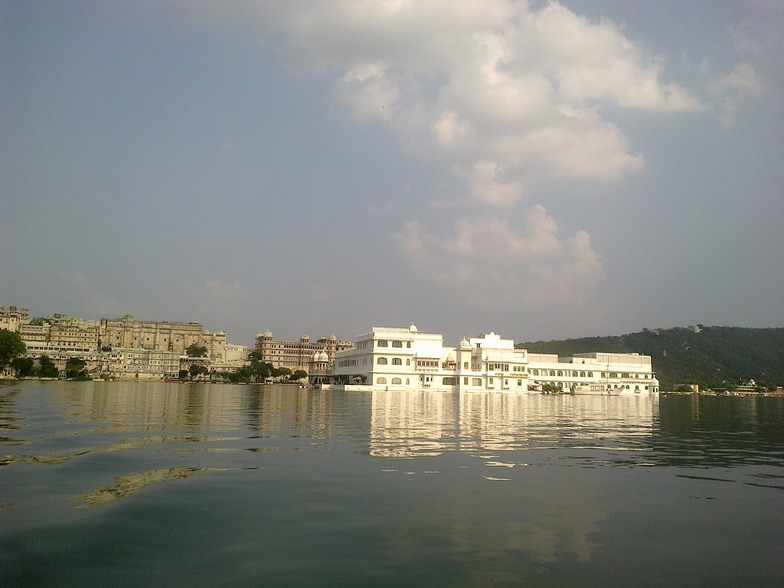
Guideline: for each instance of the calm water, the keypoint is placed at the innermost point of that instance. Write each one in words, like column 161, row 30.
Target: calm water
column 129, row 484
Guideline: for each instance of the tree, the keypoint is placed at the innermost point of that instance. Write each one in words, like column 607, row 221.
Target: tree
column 47, row 368
column 260, row 370
column 74, row 368
column 280, row 372
column 298, row 375
column 24, row 366
column 195, row 350
column 197, row 370
column 11, row 345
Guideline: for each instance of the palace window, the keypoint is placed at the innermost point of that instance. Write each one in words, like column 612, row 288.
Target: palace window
column 397, row 344
column 396, row 381
column 383, row 343
column 381, row 380
column 382, row 361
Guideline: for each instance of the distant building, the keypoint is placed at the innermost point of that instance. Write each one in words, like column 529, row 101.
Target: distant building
column 124, row 363
column 124, row 348
column 611, row 372
column 296, row 355
column 129, row 333
column 405, row 359
column 400, row 358
column 12, row 318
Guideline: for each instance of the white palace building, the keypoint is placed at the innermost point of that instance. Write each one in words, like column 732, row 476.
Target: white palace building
column 390, row 358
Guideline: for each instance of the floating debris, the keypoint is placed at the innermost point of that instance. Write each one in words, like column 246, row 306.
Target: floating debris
column 496, row 479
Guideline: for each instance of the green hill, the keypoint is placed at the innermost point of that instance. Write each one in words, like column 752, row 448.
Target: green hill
column 713, row 357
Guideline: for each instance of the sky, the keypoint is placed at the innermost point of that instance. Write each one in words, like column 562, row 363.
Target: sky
column 543, row 170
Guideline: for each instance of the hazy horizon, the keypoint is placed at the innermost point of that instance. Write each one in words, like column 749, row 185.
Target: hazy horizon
column 543, row 170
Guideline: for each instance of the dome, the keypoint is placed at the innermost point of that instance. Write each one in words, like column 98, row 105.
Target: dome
column 464, row 344
column 412, row 328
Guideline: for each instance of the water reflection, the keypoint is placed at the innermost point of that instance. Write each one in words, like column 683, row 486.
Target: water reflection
column 318, row 488
column 418, row 424
column 412, row 423
column 706, row 431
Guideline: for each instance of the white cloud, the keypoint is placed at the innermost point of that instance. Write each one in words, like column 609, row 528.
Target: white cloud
column 497, row 258
column 476, row 80
column 731, row 89
column 508, row 96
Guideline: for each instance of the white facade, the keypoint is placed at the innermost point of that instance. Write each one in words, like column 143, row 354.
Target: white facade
column 614, row 373
column 391, row 358
column 142, row 364
column 398, row 358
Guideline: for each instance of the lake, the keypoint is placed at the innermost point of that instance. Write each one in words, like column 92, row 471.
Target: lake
column 154, row 484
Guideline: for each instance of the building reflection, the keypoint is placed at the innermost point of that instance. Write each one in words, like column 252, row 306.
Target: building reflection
column 200, row 407
column 276, row 408
column 421, row 423
column 412, row 423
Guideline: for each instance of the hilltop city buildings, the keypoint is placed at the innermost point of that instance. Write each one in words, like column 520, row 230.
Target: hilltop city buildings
column 121, row 348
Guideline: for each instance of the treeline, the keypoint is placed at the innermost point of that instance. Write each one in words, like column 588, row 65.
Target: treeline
column 713, row 357
column 256, row 371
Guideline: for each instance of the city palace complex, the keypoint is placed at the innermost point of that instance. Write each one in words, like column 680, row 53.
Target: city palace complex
column 387, row 358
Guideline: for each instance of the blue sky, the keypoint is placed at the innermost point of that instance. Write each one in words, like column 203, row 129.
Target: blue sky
column 542, row 170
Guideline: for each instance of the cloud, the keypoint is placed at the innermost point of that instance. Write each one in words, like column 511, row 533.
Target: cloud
column 731, row 89
column 479, row 80
column 490, row 254
column 506, row 96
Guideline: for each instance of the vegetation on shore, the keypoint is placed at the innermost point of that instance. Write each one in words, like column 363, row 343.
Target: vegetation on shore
column 712, row 357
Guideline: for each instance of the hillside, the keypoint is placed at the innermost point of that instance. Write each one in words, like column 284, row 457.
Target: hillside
column 710, row 356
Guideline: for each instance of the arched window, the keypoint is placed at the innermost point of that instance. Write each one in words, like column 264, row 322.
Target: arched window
column 397, row 361
column 382, row 361
column 396, row 381
column 397, row 344
column 381, row 381
column 383, row 343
